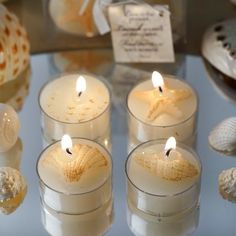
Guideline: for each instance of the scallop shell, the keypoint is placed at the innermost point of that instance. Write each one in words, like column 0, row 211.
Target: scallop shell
column 86, row 158
column 219, row 47
column 14, row 46
column 174, row 167
column 9, row 127
column 13, row 189
column 227, row 184
column 223, row 137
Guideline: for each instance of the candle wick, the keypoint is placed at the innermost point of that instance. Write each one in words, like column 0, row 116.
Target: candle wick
column 80, row 93
column 160, row 89
column 68, row 151
column 168, row 152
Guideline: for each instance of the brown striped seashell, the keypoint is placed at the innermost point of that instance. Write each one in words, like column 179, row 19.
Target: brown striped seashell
column 14, row 46
column 86, row 158
column 173, row 168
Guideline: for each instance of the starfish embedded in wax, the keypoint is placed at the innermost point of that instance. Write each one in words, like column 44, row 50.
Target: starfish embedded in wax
column 163, row 102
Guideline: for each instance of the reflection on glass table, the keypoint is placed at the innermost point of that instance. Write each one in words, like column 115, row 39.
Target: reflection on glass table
column 217, row 216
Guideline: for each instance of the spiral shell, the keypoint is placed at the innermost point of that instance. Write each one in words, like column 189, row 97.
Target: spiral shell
column 13, row 189
column 223, row 137
column 227, row 184
column 9, row 127
column 14, row 46
column 86, row 158
column 174, row 168
column 219, row 47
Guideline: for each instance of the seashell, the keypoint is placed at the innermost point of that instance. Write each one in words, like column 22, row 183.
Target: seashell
column 14, row 46
column 223, row 137
column 13, row 189
column 219, row 47
column 233, row 1
column 68, row 16
column 84, row 158
column 174, row 167
column 9, row 127
column 227, row 184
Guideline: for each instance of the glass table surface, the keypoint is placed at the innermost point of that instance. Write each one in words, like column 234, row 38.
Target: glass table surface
column 217, row 216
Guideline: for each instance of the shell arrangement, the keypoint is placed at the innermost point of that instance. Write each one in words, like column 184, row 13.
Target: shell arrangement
column 173, row 168
column 13, row 189
column 219, row 47
column 86, row 158
column 223, row 137
column 227, row 184
column 9, row 127
column 14, row 46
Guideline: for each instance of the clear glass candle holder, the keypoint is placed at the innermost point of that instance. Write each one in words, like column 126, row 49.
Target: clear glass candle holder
column 95, row 189
column 142, row 130
column 155, row 195
column 76, row 118
column 94, row 223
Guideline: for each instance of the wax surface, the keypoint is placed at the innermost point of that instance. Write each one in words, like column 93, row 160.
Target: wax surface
column 149, row 182
column 89, row 178
column 60, row 100
column 139, row 108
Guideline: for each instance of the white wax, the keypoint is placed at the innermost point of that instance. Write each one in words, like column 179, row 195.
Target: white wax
column 140, row 108
column 84, row 194
column 151, row 183
column 60, row 100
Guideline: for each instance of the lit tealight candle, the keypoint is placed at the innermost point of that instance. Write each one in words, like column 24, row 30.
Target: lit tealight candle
column 75, row 177
column 77, row 105
column 163, row 179
column 161, row 107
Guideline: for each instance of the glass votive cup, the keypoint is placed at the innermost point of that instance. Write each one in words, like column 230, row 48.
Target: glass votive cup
column 144, row 130
column 142, row 224
column 93, row 223
column 73, row 199
column 156, row 195
column 63, row 111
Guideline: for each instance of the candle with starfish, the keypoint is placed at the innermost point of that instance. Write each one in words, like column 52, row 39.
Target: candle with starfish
column 161, row 107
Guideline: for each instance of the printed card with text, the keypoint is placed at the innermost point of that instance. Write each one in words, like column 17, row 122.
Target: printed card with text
column 141, row 33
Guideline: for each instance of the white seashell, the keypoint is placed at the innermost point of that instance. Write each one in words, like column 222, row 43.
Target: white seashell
column 9, row 127
column 223, row 137
column 14, row 46
column 227, row 184
column 219, row 47
column 12, row 189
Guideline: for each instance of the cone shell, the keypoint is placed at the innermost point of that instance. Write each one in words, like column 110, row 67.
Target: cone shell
column 173, row 168
column 14, row 46
column 227, row 184
column 86, row 158
column 13, row 189
column 223, row 137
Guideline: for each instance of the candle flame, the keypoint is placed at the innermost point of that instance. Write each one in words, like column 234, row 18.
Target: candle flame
column 80, row 84
column 157, row 80
column 170, row 144
column 66, row 142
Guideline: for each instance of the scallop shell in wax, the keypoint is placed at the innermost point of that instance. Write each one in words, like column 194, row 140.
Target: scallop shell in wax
column 13, row 189
column 14, row 46
column 227, row 184
column 174, row 167
column 223, row 137
column 219, row 47
column 84, row 158
column 9, row 127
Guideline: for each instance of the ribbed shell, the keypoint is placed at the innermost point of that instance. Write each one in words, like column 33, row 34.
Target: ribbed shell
column 12, row 189
column 223, row 137
column 14, row 46
column 86, row 158
column 227, row 184
column 170, row 168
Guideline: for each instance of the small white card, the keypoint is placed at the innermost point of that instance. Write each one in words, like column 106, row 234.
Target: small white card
column 141, row 33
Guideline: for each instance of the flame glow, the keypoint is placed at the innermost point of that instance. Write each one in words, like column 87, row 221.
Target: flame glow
column 170, row 144
column 66, row 142
column 80, row 84
column 157, row 79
